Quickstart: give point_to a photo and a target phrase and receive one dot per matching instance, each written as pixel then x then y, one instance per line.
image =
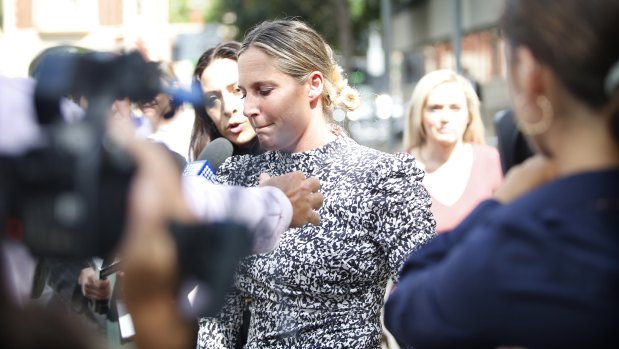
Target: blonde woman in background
pixel 445 132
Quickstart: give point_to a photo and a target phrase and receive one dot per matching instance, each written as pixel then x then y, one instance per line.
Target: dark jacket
pixel 540 272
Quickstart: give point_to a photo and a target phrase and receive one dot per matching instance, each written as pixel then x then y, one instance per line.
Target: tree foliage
pixel 344 24
pixel 322 15
pixel 179 11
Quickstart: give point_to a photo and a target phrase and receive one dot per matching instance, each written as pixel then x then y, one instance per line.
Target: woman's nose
pixel 250 109
pixel 231 104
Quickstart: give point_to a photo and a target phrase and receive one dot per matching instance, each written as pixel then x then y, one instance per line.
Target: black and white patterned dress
pixel 323 287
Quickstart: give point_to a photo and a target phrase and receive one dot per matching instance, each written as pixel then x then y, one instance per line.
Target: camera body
pixel 70 191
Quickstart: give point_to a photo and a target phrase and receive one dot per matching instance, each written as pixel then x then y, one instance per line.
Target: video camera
pixel 69 193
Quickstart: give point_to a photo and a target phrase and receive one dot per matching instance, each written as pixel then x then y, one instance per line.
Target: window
pixel 481 55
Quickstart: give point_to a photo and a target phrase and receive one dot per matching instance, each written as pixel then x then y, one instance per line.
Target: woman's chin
pixel 446 140
pixel 242 139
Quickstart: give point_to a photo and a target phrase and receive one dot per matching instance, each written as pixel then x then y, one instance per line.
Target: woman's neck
pixel 317 134
pixel 581 145
pixel 434 155
pixel 579 138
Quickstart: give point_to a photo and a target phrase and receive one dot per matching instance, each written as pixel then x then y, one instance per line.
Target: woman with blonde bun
pixel 323 285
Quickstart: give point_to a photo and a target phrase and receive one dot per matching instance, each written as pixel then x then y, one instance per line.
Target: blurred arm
pixel 265 210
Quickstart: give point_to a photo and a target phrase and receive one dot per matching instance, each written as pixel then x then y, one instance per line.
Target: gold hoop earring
pixel 541 126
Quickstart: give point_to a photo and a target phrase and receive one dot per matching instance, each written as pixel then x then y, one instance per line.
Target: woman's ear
pixel 529 74
pixel 316 84
pixel 529 82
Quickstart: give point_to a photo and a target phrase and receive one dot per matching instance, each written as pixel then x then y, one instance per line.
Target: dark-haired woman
pixel 537 266
pixel 217 71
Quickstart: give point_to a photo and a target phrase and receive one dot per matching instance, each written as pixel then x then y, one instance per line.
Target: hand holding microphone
pixel 210 159
pixel 93 287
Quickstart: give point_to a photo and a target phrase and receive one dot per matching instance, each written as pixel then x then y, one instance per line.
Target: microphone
pixel 210 159
pixel 216 152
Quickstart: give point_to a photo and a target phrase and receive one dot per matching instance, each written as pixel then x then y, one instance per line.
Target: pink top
pixel 485 177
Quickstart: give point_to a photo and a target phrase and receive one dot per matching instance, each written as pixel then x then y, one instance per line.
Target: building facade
pixel 29 26
pixel 422 42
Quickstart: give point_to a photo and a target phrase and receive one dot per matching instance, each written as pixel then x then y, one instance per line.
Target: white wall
pixel 75 22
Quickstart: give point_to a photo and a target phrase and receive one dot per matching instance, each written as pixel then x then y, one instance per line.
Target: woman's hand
pixel 525 177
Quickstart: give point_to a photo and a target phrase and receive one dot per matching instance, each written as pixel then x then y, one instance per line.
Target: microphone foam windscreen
pixel 216 152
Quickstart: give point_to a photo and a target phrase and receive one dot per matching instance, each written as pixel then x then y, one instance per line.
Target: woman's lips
pixel 256 127
pixel 235 128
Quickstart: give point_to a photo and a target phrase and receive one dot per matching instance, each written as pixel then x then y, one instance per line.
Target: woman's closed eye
pixel 258 90
pixel 265 91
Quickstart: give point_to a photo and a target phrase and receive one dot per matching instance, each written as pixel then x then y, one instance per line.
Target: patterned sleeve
pixel 238 170
pixel 402 209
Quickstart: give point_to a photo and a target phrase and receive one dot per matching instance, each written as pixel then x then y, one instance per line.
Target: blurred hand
pixel 92 287
pixel 151 271
pixel 121 108
pixel 525 177
pixel 302 193
pixel 155 199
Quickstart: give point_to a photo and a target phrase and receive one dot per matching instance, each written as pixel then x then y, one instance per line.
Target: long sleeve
pixel 538 272
pixel 265 210
pixel 437 249
pixel 445 288
pixel 400 209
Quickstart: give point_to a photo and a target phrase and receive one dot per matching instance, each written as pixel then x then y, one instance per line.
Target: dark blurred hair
pixel 204 130
pixel 165 71
pixel 33 68
pixel 35 64
pixel 576 39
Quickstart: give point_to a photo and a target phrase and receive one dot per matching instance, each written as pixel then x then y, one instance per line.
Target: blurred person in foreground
pixel 158 196
pixel 536 266
pixel 445 132
pixel 218 74
pixel 323 286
